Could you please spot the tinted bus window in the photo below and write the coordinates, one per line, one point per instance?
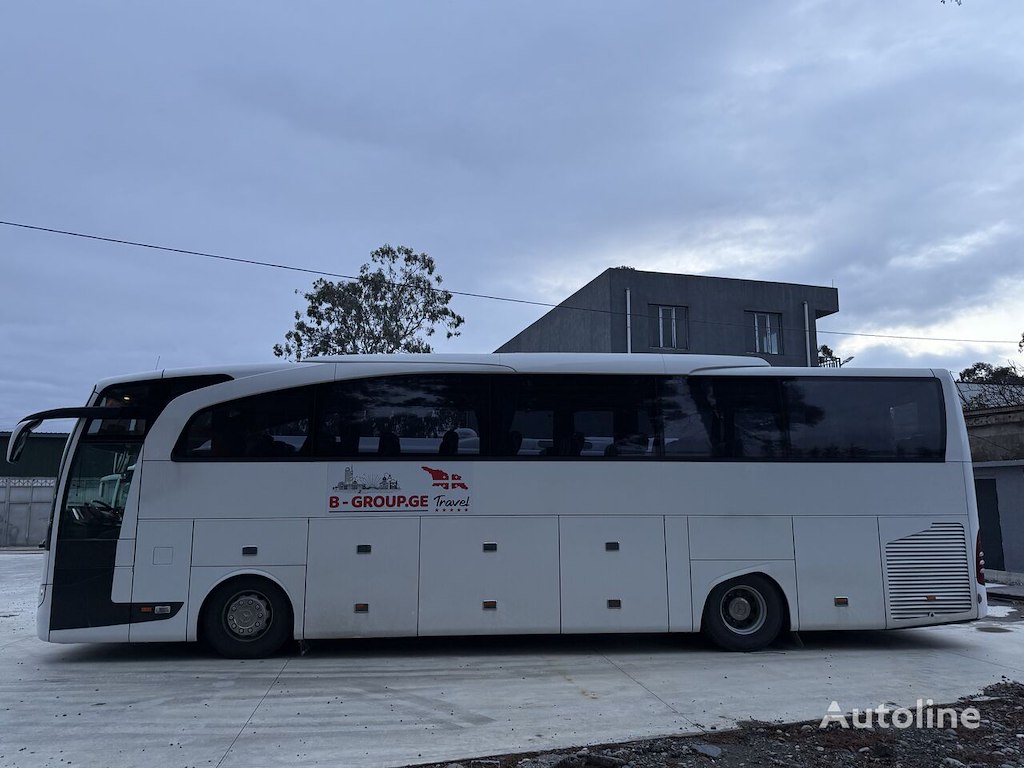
(274, 425)
(576, 416)
(581, 416)
(686, 418)
(867, 419)
(423, 415)
(746, 417)
(149, 396)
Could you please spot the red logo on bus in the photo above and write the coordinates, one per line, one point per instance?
(443, 480)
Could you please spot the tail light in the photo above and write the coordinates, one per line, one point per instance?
(979, 560)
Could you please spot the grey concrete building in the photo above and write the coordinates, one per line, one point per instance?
(996, 433)
(999, 486)
(628, 310)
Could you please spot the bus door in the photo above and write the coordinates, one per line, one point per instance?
(96, 485)
(88, 527)
(87, 515)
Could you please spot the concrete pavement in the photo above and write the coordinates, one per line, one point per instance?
(395, 702)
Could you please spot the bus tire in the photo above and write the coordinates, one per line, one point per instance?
(247, 618)
(744, 614)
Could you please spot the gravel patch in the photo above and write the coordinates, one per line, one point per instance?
(997, 741)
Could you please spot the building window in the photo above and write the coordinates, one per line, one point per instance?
(668, 327)
(764, 333)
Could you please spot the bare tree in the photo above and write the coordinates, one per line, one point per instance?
(984, 385)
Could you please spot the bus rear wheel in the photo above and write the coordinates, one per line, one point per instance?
(247, 618)
(744, 614)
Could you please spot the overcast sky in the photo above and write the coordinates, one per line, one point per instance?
(875, 147)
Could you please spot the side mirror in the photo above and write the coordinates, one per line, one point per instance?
(19, 437)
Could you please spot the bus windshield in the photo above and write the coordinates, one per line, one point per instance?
(98, 489)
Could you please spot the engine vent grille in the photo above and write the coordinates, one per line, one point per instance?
(929, 573)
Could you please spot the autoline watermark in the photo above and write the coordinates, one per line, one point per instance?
(924, 715)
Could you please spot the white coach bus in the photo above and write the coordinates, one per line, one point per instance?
(499, 494)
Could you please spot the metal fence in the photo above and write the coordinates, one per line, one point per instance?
(24, 510)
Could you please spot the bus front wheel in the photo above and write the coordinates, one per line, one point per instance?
(744, 614)
(247, 618)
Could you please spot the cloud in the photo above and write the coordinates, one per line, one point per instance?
(525, 147)
(933, 256)
(994, 326)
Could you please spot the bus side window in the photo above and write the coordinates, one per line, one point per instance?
(337, 440)
(751, 416)
(408, 415)
(864, 419)
(264, 426)
(686, 415)
(577, 416)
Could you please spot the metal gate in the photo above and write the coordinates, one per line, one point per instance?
(24, 510)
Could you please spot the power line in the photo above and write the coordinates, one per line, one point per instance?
(919, 338)
(252, 262)
(489, 297)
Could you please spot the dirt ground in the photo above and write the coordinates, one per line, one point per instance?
(997, 741)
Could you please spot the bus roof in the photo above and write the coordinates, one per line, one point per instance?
(526, 362)
(566, 362)
(531, 362)
(234, 371)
